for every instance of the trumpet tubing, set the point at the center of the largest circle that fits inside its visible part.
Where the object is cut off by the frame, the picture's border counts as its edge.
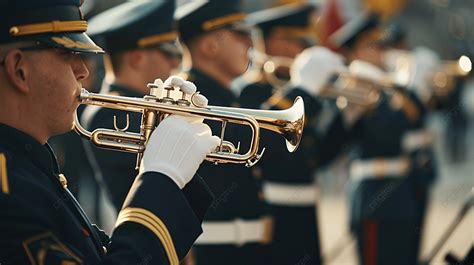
(354, 90)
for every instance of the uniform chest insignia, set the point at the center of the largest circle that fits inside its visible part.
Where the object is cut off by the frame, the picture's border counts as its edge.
(47, 249)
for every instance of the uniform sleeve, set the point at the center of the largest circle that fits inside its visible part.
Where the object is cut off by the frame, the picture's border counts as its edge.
(157, 225)
(157, 221)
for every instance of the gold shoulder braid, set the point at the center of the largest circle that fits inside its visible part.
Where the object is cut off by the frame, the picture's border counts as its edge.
(4, 174)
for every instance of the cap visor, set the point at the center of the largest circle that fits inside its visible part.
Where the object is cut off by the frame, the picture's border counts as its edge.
(170, 48)
(241, 27)
(73, 41)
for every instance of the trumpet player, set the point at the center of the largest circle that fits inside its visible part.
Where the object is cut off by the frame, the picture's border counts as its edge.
(289, 188)
(140, 40)
(439, 84)
(41, 71)
(217, 41)
(392, 156)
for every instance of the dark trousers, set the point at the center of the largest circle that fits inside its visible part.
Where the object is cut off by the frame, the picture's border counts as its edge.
(387, 242)
(295, 236)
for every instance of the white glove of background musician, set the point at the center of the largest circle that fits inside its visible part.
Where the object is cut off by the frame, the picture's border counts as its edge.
(312, 69)
(177, 147)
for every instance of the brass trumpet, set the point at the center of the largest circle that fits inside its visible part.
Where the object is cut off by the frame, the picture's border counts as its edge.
(288, 123)
(269, 66)
(444, 78)
(440, 83)
(347, 89)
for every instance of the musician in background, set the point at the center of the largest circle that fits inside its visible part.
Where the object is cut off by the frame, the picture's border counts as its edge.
(288, 179)
(140, 39)
(217, 41)
(439, 84)
(41, 70)
(390, 157)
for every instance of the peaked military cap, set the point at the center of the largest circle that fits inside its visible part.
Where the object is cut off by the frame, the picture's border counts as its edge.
(136, 24)
(393, 34)
(352, 30)
(198, 17)
(292, 20)
(56, 23)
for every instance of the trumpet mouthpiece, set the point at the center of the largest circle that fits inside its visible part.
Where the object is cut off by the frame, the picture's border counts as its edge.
(84, 94)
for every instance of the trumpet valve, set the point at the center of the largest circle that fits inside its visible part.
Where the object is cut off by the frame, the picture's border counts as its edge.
(183, 102)
(156, 87)
(186, 88)
(168, 99)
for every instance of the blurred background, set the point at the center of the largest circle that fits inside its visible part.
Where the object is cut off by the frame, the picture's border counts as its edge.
(445, 26)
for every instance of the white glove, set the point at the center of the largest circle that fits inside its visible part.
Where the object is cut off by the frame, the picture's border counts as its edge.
(186, 87)
(368, 71)
(426, 63)
(179, 144)
(177, 147)
(313, 68)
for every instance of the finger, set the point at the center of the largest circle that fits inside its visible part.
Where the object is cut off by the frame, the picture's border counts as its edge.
(200, 129)
(212, 143)
(188, 87)
(199, 100)
(174, 80)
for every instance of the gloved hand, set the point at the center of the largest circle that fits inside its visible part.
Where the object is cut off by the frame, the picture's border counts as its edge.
(187, 87)
(427, 62)
(368, 71)
(179, 144)
(177, 147)
(313, 68)
(180, 87)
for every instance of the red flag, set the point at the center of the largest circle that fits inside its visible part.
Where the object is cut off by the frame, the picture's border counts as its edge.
(330, 21)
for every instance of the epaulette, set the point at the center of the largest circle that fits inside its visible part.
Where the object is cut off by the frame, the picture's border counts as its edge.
(5, 187)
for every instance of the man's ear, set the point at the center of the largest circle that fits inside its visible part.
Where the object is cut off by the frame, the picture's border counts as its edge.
(209, 45)
(16, 66)
(135, 58)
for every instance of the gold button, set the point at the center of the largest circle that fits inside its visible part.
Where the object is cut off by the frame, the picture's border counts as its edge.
(63, 180)
(257, 172)
(14, 31)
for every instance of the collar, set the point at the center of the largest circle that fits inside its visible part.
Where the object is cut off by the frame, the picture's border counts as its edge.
(215, 92)
(23, 144)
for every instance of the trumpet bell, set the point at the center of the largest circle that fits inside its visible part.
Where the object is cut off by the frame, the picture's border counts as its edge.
(289, 123)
